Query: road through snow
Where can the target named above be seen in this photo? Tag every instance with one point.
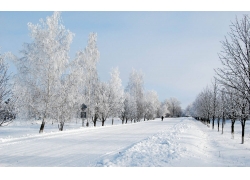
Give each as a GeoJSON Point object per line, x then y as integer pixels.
{"type": "Point", "coordinates": [181, 142]}
{"type": "Point", "coordinates": [81, 147]}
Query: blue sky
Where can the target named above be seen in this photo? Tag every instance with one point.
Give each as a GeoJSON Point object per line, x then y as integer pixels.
{"type": "Point", "coordinates": [176, 51]}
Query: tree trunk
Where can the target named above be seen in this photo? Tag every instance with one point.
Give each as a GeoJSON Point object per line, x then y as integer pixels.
{"type": "Point", "coordinates": [112, 121]}
{"type": "Point", "coordinates": [223, 122]}
{"type": "Point", "coordinates": [126, 120]}
{"type": "Point", "coordinates": [213, 123]}
{"type": "Point", "coordinates": [218, 124]}
{"type": "Point", "coordinates": [232, 128]}
{"type": "Point", "coordinates": [94, 123]}
{"type": "Point", "coordinates": [243, 130]}
{"type": "Point", "coordinates": [42, 126]}
{"type": "Point", "coordinates": [222, 127]}
{"type": "Point", "coordinates": [103, 122]}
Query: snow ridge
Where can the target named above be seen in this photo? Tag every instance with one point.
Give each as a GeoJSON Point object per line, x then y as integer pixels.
{"type": "Point", "coordinates": [155, 151]}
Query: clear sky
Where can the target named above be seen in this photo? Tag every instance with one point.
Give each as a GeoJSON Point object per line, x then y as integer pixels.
{"type": "Point", "coordinates": [176, 51]}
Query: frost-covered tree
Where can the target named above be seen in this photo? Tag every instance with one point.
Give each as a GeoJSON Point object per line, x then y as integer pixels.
{"type": "Point", "coordinates": [6, 101]}
{"type": "Point", "coordinates": [84, 69]}
{"type": "Point", "coordinates": [116, 94]}
{"type": "Point", "coordinates": [40, 69]}
{"type": "Point", "coordinates": [188, 110]}
{"type": "Point", "coordinates": [174, 107]}
{"type": "Point", "coordinates": [151, 105]}
{"type": "Point", "coordinates": [232, 99]}
{"type": "Point", "coordinates": [104, 101]}
{"type": "Point", "coordinates": [205, 105]}
{"type": "Point", "coordinates": [235, 58]}
{"type": "Point", "coordinates": [214, 104]}
{"type": "Point", "coordinates": [242, 111]}
{"type": "Point", "coordinates": [110, 97]}
{"type": "Point", "coordinates": [135, 88]}
{"type": "Point", "coordinates": [125, 110]}
{"type": "Point", "coordinates": [224, 104]}
{"type": "Point", "coordinates": [67, 101]}
{"type": "Point", "coordinates": [162, 110]}
{"type": "Point", "coordinates": [129, 111]}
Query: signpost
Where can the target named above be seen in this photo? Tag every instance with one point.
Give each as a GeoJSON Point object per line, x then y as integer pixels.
{"type": "Point", "coordinates": [83, 113]}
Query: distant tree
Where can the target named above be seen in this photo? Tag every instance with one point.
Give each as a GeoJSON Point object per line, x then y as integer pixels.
{"type": "Point", "coordinates": [135, 88]}
{"type": "Point", "coordinates": [131, 107]}
{"type": "Point", "coordinates": [188, 110]}
{"type": "Point", "coordinates": [129, 110]}
{"type": "Point", "coordinates": [151, 105]}
{"type": "Point", "coordinates": [85, 70]}
{"type": "Point", "coordinates": [162, 110]}
{"type": "Point", "coordinates": [174, 107]}
{"type": "Point", "coordinates": [219, 110]}
{"type": "Point", "coordinates": [223, 108]}
{"type": "Point", "coordinates": [6, 103]}
{"type": "Point", "coordinates": [117, 94]}
{"type": "Point", "coordinates": [214, 101]}
{"type": "Point", "coordinates": [104, 97]}
{"type": "Point", "coordinates": [111, 97]}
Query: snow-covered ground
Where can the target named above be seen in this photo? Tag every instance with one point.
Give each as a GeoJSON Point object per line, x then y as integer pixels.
{"type": "Point", "coordinates": [174, 142]}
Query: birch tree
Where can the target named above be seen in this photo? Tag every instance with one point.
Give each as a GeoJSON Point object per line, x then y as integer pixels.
{"type": "Point", "coordinates": [174, 107]}
{"type": "Point", "coordinates": [124, 115]}
{"type": "Point", "coordinates": [117, 94]}
{"type": "Point", "coordinates": [41, 67]}
{"type": "Point", "coordinates": [151, 105]}
{"type": "Point", "coordinates": [84, 67]}
{"type": "Point", "coordinates": [135, 88]}
{"type": "Point", "coordinates": [67, 101]}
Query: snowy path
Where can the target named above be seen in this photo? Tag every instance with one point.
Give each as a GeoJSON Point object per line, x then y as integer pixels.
{"type": "Point", "coordinates": [179, 142]}
{"type": "Point", "coordinates": [188, 143]}
{"type": "Point", "coordinates": [82, 147]}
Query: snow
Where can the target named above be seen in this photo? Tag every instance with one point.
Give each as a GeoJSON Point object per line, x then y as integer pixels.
{"type": "Point", "coordinates": [174, 142]}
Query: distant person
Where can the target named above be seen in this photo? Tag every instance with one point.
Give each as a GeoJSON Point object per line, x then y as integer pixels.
{"type": "Point", "coordinates": [162, 118]}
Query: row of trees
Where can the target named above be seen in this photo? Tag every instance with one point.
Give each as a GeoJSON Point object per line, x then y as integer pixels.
{"type": "Point", "coordinates": [48, 85]}
{"type": "Point", "coordinates": [229, 95]}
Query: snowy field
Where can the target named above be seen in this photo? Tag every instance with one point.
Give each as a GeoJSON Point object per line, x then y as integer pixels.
{"type": "Point", "coordinates": [174, 142]}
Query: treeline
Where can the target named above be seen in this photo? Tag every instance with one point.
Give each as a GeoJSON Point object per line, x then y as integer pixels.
{"type": "Point", "coordinates": [229, 95]}
{"type": "Point", "coordinates": [48, 85]}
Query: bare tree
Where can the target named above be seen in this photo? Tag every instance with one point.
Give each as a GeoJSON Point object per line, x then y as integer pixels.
{"type": "Point", "coordinates": [6, 103]}
{"type": "Point", "coordinates": [232, 100]}
{"type": "Point", "coordinates": [214, 101]}
{"type": "Point", "coordinates": [235, 58]}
